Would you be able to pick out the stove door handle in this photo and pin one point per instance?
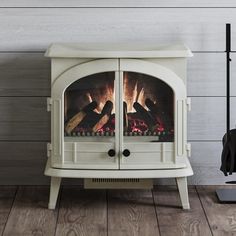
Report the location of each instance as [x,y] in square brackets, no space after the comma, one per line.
[126,152]
[111,153]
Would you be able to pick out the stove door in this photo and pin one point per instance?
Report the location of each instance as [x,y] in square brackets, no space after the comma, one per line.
[88,107]
[147,135]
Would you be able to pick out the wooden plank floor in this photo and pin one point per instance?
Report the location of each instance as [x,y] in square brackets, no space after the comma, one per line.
[23,211]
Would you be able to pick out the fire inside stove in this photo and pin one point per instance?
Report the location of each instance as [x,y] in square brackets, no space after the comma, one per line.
[148,106]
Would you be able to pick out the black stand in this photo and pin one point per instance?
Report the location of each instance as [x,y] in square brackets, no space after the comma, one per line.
[227,195]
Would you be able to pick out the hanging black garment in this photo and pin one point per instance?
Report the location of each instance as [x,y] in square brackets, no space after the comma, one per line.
[228,156]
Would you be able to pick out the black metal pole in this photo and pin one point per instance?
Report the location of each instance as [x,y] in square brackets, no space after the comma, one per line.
[228,50]
[227,195]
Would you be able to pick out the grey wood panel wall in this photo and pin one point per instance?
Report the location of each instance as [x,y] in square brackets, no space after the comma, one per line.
[202,77]
[233,77]
[24,74]
[28,27]
[35,28]
[22,162]
[24,118]
[206,121]
[120,3]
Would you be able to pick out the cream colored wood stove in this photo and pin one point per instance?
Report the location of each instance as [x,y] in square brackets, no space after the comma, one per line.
[118,114]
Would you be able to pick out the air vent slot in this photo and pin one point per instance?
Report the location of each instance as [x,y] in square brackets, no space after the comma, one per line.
[130,183]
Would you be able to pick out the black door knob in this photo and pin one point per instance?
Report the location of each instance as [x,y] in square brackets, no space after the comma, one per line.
[126,153]
[111,153]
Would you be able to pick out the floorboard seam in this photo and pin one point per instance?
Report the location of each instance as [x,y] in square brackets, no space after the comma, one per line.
[14,198]
[107,209]
[58,210]
[154,204]
[204,210]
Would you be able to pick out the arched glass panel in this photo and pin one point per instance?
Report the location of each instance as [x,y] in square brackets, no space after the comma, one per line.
[148,107]
[89,106]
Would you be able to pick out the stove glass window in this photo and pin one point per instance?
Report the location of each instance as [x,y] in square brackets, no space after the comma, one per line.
[148,107]
[89,106]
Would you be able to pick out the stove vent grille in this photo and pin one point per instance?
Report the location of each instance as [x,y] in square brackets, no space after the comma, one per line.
[115,180]
[110,183]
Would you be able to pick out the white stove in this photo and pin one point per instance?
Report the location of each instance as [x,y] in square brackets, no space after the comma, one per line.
[118,116]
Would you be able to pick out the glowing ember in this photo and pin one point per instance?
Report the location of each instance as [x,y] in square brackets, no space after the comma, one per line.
[137,125]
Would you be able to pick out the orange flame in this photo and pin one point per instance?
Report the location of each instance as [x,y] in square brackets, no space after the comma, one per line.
[89,97]
[131,95]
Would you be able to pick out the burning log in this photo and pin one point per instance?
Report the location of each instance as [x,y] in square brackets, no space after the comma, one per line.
[162,118]
[105,116]
[75,120]
[151,105]
[89,121]
[154,109]
[146,116]
[126,124]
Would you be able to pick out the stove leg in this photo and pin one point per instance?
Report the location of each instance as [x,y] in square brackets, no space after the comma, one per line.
[54,190]
[183,191]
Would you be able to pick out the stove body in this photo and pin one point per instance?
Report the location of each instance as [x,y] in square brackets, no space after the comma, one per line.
[118,112]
